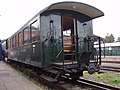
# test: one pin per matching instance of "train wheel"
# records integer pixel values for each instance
(91, 69)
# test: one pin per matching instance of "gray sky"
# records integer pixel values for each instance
(15, 13)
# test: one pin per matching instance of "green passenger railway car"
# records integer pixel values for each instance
(59, 37)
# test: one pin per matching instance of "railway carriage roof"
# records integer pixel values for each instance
(85, 9)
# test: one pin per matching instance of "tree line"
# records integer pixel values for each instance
(110, 38)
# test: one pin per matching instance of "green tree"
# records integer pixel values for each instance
(109, 38)
(118, 39)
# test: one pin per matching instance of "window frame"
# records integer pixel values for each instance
(27, 40)
(36, 36)
(20, 43)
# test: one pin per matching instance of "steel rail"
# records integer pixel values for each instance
(116, 62)
(97, 85)
(110, 68)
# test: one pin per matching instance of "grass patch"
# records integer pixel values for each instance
(106, 77)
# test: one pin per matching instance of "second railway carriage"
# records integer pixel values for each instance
(61, 37)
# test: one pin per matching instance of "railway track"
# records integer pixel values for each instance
(84, 84)
(80, 84)
(96, 85)
(113, 66)
(65, 83)
(69, 84)
(115, 62)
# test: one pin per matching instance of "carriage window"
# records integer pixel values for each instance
(8, 43)
(26, 35)
(34, 31)
(13, 42)
(16, 40)
(20, 39)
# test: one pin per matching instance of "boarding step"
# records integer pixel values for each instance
(71, 36)
(52, 80)
(69, 45)
(69, 54)
(51, 70)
